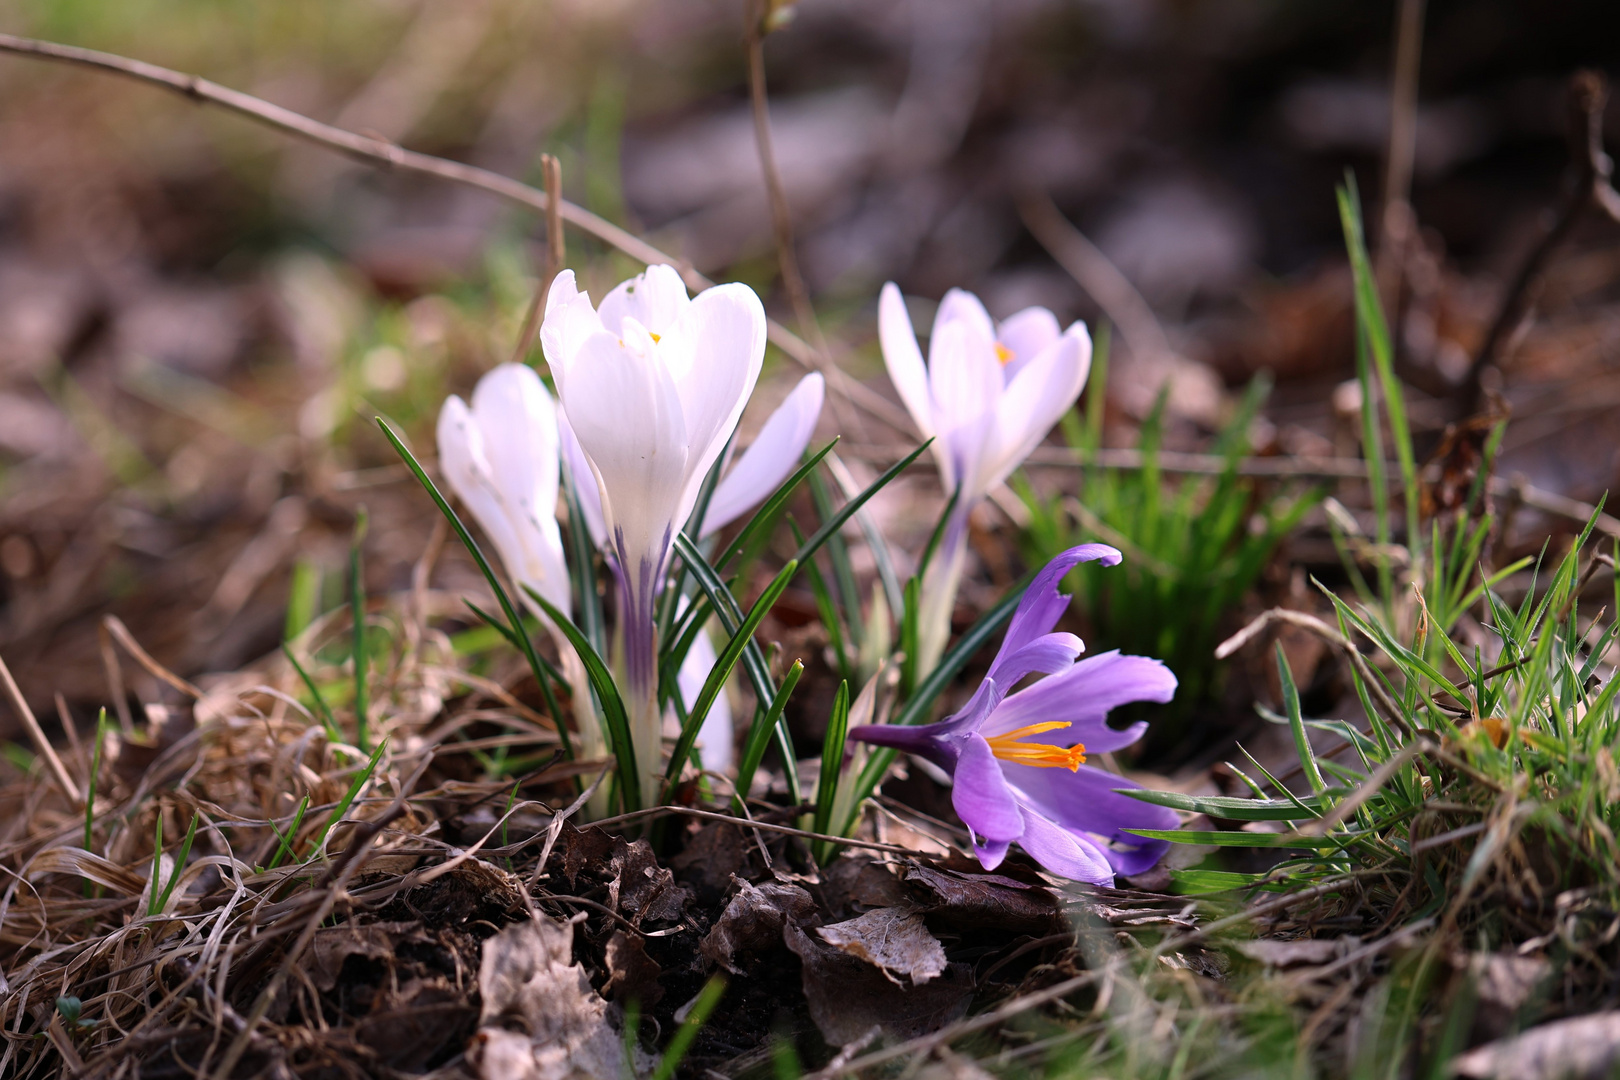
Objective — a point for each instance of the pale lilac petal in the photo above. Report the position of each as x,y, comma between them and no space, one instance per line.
466,471
714,740
515,411
627,416
1085,801
965,379
962,307
981,796
1042,605
654,298
579,468
1035,399
1083,696
774,453
570,320
1048,655
1026,335
1064,854
713,354
904,359
991,852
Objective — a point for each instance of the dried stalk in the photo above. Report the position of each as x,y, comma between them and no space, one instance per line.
556,256
1589,187
35,732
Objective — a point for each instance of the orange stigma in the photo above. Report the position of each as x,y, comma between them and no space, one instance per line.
1008,748
1003,354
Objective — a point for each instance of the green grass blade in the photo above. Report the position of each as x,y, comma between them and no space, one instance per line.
766,722
1231,809
179,864
342,808
832,766
324,711
722,669
357,608
284,849
607,693
1296,723
708,998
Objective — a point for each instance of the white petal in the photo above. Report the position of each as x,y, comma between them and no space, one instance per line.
590,499
904,359
966,380
961,306
466,470
771,456
1037,397
654,298
570,319
627,415
1026,335
713,355
715,739
514,413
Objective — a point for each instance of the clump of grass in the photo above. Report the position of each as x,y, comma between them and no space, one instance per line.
1194,548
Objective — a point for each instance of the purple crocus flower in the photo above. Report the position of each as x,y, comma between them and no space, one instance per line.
1017,758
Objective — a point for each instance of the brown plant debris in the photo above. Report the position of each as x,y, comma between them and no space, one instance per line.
894,939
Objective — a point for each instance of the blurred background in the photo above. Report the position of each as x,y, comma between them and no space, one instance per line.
199,317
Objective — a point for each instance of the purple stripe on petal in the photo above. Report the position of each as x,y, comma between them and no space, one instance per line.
1063,853
981,796
1042,605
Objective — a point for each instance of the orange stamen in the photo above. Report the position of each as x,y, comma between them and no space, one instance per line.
658,337
1003,354
1008,748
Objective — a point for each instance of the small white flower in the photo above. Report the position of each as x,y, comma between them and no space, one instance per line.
988,394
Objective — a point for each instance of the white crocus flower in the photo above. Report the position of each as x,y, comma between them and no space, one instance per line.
500,457
988,395
746,481
653,383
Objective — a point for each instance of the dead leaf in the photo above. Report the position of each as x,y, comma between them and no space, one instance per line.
848,996
528,980
754,919
855,882
334,945
894,939
1586,1046
632,974
977,901
417,1023
642,889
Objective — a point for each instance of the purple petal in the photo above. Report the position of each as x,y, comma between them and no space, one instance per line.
923,740
1063,853
1049,654
981,796
1085,802
1083,696
771,456
1042,605
991,852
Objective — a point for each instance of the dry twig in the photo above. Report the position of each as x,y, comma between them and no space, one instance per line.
1588,187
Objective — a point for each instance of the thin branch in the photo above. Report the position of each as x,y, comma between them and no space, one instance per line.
1589,187
381,152
754,32
1097,275
1397,224
115,626
556,255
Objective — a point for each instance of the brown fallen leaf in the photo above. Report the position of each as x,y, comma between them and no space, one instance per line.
754,919
632,974
376,941
977,901
1576,1049
894,939
642,889
848,996
541,1020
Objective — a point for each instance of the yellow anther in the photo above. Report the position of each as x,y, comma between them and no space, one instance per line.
654,336
1003,354
1008,747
